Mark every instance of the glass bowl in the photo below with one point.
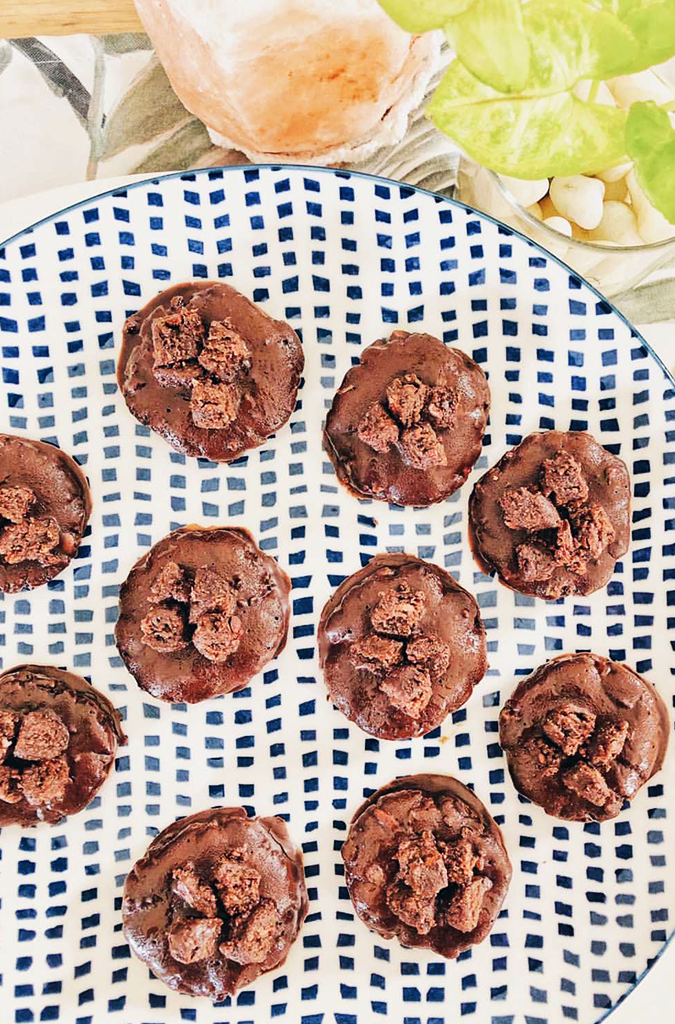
(610, 268)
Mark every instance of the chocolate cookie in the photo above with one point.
(401, 644)
(582, 734)
(45, 503)
(209, 371)
(58, 739)
(553, 516)
(217, 900)
(201, 613)
(425, 862)
(407, 423)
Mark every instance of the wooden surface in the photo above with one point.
(64, 17)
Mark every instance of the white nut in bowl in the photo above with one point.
(651, 223)
(614, 173)
(644, 85)
(618, 225)
(525, 192)
(560, 225)
(654, 227)
(579, 198)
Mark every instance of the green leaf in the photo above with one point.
(652, 25)
(528, 136)
(487, 35)
(545, 130)
(650, 142)
(181, 150)
(147, 110)
(570, 41)
(422, 15)
(125, 42)
(490, 41)
(57, 76)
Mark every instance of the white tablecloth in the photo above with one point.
(652, 1000)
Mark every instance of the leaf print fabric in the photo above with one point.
(103, 106)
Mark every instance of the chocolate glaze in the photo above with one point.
(270, 386)
(494, 544)
(61, 491)
(262, 605)
(93, 724)
(370, 843)
(615, 693)
(386, 476)
(451, 613)
(204, 838)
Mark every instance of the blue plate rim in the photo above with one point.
(347, 173)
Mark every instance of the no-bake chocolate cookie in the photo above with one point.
(553, 516)
(582, 734)
(407, 422)
(201, 613)
(45, 504)
(58, 739)
(401, 645)
(426, 863)
(217, 900)
(209, 371)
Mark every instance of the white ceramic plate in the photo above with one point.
(345, 258)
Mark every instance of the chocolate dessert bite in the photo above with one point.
(209, 371)
(401, 645)
(45, 503)
(202, 613)
(407, 422)
(217, 900)
(58, 739)
(553, 516)
(426, 863)
(582, 734)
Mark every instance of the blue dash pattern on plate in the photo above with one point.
(345, 259)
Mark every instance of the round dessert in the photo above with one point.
(201, 613)
(407, 422)
(401, 644)
(553, 516)
(426, 862)
(582, 734)
(209, 371)
(58, 739)
(45, 503)
(217, 900)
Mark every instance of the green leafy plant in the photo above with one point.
(487, 35)
(509, 99)
(650, 142)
